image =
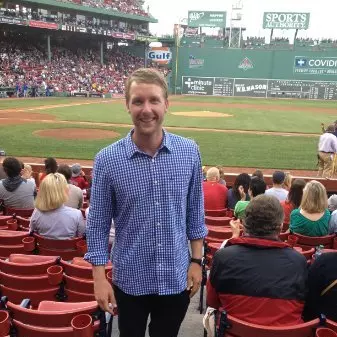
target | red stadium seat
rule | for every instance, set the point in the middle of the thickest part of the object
(217, 221)
(238, 328)
(216, 212)
(23, 212)
(307, 242)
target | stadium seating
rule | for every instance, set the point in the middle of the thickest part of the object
(217, 221)
(307, 242)
(234, 327)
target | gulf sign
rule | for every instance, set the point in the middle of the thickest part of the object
(161, 55)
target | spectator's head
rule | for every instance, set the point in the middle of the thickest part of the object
(287, 181)
(330, 128)
(50, 165)
(263, 217)
(213, 174)
(65, 170)
(258, 173)
(332, 203)
(12, 167)
(76, 170)
(221, 172)
(257, 186)
(28, 168)
(278, 177)
(243, 180)
(146, 76)
(314, 198)
(53, 192)
(296, 192)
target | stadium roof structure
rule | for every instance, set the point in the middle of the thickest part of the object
(52, 4)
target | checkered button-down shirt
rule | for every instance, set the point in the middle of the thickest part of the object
(157, 206)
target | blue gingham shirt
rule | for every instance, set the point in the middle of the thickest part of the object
(157, 206)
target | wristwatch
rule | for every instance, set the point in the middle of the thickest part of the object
(197, 261)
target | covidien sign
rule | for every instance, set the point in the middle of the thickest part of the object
(315, 65)
(161, 55)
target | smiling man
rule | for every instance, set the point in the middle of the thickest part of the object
(155, 216)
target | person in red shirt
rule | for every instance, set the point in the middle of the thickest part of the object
(215, 194)
(293, 201)
(78, 177)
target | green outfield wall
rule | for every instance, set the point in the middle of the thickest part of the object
(258, 73)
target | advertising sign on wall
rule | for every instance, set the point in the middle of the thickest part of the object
(206, 19)
(286, 20)
(315, 65)
(161, 55)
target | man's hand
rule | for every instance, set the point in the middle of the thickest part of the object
(242, 193)
(104, 296)
(194, 277)
(103, 291)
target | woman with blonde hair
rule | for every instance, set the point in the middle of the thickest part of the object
(312, 217)
(287, 181)
(51, 218)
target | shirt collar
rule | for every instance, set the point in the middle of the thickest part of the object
(132, 149)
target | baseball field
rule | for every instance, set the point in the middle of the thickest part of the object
(230, 132)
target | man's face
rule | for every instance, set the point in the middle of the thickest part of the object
(147, 107)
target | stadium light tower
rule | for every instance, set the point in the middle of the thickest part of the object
(236, 26)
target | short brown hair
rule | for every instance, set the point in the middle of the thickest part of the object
(264, 216)
(315, 199)
(148, 76)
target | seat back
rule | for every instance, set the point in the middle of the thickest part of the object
(23, 212)
(239, 328)
(50, 313)
(8, 237)
(217, 221)
(23, 222)
(216, 212)
(4, 219)
(314, 241)
(21, 264)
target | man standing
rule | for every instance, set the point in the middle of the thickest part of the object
(327, 149)
(155, 215)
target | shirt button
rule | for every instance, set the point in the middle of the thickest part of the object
(157, 203)
(158, 224)
(156, 182)
(159, 245)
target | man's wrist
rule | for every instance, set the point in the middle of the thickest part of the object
(196, 261)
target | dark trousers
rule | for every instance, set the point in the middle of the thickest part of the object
(166, 314)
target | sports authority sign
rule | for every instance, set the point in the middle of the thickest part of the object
(285, 20)
(206, 19)
(315, 65)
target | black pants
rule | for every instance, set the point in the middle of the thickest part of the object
(166, 313)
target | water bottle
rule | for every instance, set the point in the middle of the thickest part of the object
(319, 251)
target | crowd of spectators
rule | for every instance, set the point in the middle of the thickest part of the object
(25, 66)
(126, 6)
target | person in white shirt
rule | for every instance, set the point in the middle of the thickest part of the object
(327, 149)
(277, 190)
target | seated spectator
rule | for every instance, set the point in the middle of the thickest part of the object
(287, 181)
(222, 175)
(75, 195)
(51, 218)
(234, 196)
(277, 190)
(256, 277)
(258, 173)
(332, 203)
(50, 166)
(27, 172)
(78, 177)
(15, 191)
(322, 294)
(312, 217)
(215, 194)
(294, 198)
(3, 174)
(257, 186)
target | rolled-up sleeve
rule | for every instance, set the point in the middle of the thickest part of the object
(100, 215)
(195, 216)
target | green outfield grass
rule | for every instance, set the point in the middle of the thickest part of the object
(251, 150)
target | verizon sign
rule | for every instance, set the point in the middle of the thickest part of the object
(280, 20)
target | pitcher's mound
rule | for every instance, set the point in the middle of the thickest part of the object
(211, 114)
(77, 133)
